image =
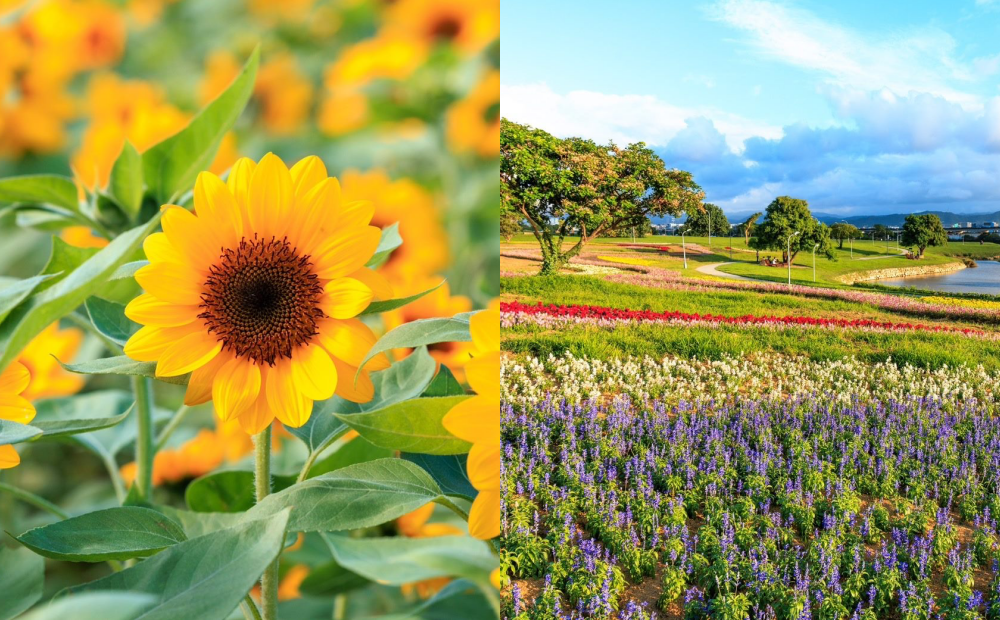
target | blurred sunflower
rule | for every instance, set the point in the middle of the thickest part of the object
(48, 379)
(14, 407)
(256, 292)
(82, 237)
(477, 420)
(404, 201)
(473, 124)
(386, 56)
(466, 25)
(415, 525)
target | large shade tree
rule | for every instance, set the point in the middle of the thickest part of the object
(786, 216)
(709, 218)
(574, 186)
(923, 231)
(842, 231)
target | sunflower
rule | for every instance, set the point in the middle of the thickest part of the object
(473, 124)
(256, 293)
(477, 420)
(14, 407)
(48, 379)
(466, 25)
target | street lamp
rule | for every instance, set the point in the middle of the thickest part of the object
(814, 262)
(684, 249)
(852, 247)
(788, 256)
(709, 229)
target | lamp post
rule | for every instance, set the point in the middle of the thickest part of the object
(852, 248)
(788, 256)
(814, 261)
(709, 229)
(730, 243)
(684, 249)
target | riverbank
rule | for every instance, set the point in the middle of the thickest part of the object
(895, 273)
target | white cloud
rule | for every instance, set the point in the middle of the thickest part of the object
(621, 118)
(920, 60)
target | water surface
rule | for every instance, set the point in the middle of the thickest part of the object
(983, 279)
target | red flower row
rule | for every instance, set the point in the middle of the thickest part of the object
(598, 312)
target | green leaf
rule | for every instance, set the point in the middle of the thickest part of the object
(44, 220)
(63, 259)
(355, 451)
(397, 560)
(15, 291)
(376, 307)
(109, 319)
(448, 471)
(95, 606)
(331, 578)
(58, 417)
(122, 365)
(412, 426)
(120, 533)
(41, 309)
(222, 491)
(13, 432)
(21, 581)
(444, 384)
(200, 523)
(355, 496)
(171, 166)
(322, 428)
(126, 180)
(390, 241)
(50, 189)
(127, 270)
(204, 577)
(458, 599)
(422, 332)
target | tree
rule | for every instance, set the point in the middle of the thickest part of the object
(923, 231)
(746, 228)
(881, 231)
(842, 231)
(643, 229)
(784, 217)
(697, 222)
(575, 184)
(510, 224)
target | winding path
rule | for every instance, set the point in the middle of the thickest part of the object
(711, 269)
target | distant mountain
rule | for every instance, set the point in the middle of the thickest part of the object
(890, 219)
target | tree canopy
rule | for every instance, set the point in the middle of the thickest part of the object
(573, 185)
(698, 222)
(842, 231)
(923, 231)
(786, 216)
(747, 227)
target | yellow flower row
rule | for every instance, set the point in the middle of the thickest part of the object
(963, 303)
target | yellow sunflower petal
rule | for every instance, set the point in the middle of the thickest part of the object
(306, 174)
(196, 240)
(257, 417)
(485, 329)
(360, 391)
(270, 200)
(8, 457)
(199, 387)
(190, 352)
(17, 409)
(313, 371)
(484, 466)
(484, 517)
(345, 298)
(158, 249)
(346, 251)
(14, 379)
(350, 340)
(475, 420)
(148, 310)
(483, 374)
(375, 281)
(235, 388)
(147, 344)
(171, 282)
(215, 204)
(285, 399)
(238, 182)
(314, 215)
(355, 213)
(411, 523)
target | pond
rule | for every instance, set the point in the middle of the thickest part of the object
(983, 279)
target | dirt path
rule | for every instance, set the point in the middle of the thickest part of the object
(711, 269)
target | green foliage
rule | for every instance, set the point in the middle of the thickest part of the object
(389, 241)
(790, 224)
(13, 292)
(709, 218)
(412, 426)
(126, 185)
(923, 231)
(119, 533)
(842, 231)
(377, 307)
(423, 332)
(404, 560)
(20, 581)
(121, 365)
(221, 491)
(95, 606)
(40, 189)
(331, 578)
(58, 417)
(14, 432)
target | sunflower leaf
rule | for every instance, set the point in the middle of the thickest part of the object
(40, 189)
(390, 241)
(126, 180)
(13, 292)
(412, 426)
(397, 560)
(58, 417)
(109, 319)
(422, 332)
(449, 471)
(331, 578)
(21, 581)
(122, 365)
(376, 307)
(14, 432)
(171, 166)
(94, 606)
(41, 309)
(204, 577)
(458, 599)
(120, 533)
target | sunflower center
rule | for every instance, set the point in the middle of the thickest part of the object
(262, 300)
(446, 28)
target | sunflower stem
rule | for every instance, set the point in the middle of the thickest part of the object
(144, 449)
(172, 425)
(262, 485)
(36, 501)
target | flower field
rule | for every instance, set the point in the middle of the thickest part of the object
(248, 329)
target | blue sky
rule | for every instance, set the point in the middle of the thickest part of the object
(858, 107)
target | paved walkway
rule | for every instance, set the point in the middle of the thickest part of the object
(882, 256)
(711, 269)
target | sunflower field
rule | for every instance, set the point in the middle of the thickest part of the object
(249, 317)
